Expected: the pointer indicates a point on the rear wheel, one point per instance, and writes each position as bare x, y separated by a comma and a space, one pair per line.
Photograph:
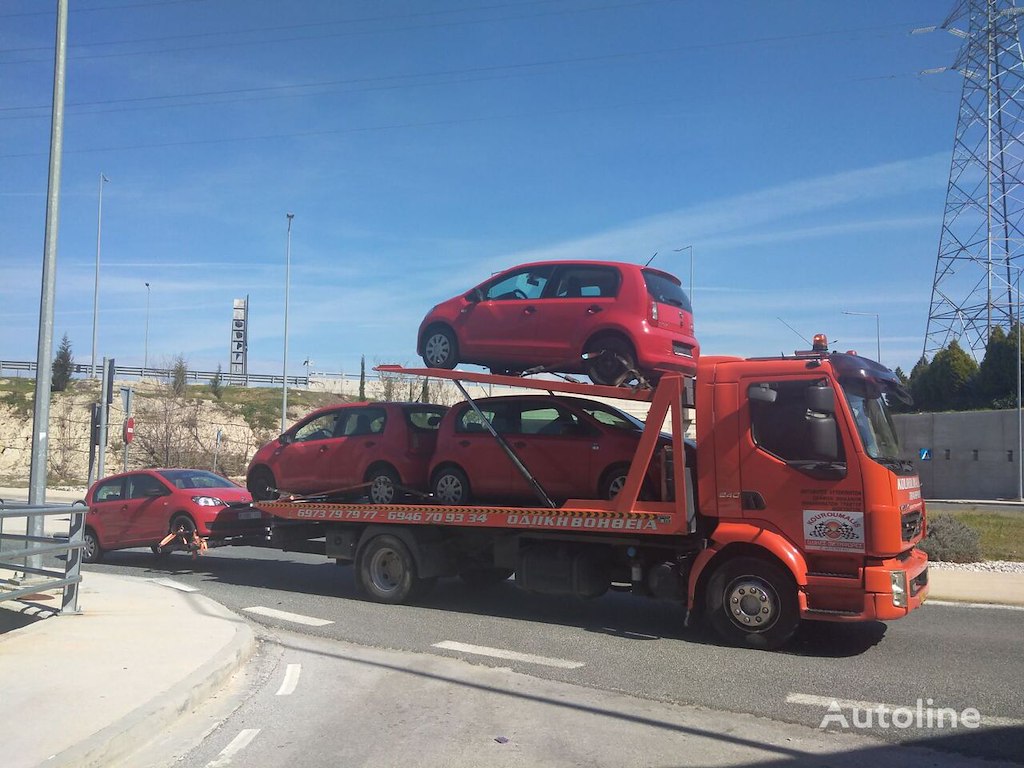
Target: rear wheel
91, 552
262, 485
387, 572
451, 486
383, 485
440, 348
612, 361
613, 482
753, 602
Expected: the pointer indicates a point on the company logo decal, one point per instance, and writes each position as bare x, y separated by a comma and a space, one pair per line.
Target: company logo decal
833, 531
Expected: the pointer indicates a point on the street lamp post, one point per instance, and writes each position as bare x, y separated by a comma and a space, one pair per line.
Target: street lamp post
690, 249
96, 287
145, 348
287, 279
878, 335
1020, 426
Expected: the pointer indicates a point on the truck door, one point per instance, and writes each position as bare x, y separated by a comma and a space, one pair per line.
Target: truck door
797, 461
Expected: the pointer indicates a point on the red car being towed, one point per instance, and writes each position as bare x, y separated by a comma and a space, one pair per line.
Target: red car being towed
574, 447
552, 313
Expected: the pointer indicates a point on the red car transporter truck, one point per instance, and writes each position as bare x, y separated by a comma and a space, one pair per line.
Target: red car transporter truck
797, 506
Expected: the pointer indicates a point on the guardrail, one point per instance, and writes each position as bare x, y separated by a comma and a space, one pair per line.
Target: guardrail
149, 372
32, 547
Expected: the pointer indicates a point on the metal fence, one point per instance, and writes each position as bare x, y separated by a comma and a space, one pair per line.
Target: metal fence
22, 554
138, 372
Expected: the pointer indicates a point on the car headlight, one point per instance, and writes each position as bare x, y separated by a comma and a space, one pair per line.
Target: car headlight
899, 588
208, 501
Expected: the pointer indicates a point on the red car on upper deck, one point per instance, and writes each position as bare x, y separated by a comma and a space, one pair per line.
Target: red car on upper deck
627, 319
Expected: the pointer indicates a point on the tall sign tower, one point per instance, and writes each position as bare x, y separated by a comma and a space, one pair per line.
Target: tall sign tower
981, 248
239, 350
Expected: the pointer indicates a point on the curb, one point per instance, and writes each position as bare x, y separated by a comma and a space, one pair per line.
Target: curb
123, 738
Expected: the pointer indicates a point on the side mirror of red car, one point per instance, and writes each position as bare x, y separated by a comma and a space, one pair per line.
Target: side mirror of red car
475, 296
284, 439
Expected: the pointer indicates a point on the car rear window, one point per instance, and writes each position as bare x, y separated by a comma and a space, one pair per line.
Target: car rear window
666, 290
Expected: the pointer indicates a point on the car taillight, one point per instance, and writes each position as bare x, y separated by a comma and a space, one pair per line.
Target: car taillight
654, 313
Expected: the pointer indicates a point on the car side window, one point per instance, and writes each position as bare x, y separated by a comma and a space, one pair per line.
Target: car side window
548, 421
586, 282
320, 428
142, 486
497, 414
524, 284
109, 490
364, 421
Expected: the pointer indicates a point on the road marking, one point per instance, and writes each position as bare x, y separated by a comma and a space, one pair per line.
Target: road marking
291, 679
823, 701
295, 618
501, 653
957, 604
240, 742
174, 585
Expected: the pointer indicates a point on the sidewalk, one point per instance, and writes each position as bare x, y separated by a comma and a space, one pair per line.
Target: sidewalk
88, 689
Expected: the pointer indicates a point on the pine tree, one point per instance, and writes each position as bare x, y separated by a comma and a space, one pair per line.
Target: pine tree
362, 378
63, 365
953, 375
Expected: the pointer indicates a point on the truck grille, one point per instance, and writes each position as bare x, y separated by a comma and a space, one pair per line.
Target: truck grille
911, 525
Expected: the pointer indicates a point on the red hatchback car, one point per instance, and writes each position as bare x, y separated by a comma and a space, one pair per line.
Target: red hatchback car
574, 447
626, 318
137, 509
343, 446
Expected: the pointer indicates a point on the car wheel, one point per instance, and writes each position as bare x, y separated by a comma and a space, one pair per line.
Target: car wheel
613, 481
384, 483
451, 486
440, 348
387, 571
262, 485
185, 524
612, 360
752, 602
91, 552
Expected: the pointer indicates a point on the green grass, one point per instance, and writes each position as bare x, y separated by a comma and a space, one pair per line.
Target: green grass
1002, 531
261, 406
18, 394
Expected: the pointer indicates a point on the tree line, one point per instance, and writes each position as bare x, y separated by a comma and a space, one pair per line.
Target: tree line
953, 381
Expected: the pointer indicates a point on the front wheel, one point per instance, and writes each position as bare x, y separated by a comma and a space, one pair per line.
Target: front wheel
387, 572
753, 602
262, 485
440, 348
383, 485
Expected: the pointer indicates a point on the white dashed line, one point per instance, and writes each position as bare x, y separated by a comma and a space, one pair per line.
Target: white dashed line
956, 604
824, 701
295, 618
291, 679
501, 653
240, 742
174, 585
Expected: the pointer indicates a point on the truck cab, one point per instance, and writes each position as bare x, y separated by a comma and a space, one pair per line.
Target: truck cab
800, 482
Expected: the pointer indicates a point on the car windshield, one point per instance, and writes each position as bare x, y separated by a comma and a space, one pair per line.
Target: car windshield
196, 478
665, 290
871, 415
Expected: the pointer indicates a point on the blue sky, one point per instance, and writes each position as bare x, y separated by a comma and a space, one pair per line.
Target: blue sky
424, 145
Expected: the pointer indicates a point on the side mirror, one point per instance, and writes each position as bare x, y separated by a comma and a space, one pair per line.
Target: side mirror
762, 393
824, 436
153, 493
475, 296
285, 439
821, 399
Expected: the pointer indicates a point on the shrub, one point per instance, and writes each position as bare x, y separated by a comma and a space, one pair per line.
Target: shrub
951, 540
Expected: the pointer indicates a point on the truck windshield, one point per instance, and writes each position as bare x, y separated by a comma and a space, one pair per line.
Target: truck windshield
874, 424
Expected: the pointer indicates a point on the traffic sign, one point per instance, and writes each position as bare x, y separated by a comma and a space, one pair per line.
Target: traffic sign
129, 429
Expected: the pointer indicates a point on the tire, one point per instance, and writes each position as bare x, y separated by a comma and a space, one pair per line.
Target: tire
92, 552
440, 347
752, 602
262, 485
451, 486
384, 483
485, 577
612, 481
386, 571
606, 369
182, 521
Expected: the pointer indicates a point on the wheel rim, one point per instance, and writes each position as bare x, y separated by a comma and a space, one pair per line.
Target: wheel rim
387, 569
382, 490
616, 485
89, 551
437, 349
449, 489
185, 524
752, 604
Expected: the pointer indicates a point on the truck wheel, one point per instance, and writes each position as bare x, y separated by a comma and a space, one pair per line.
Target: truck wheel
440, 348
92, 552
387, 571
606, 368
752, 602
451, 486
383, 485
262, 485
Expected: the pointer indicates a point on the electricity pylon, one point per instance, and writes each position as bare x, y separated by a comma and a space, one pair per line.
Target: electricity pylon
981, 248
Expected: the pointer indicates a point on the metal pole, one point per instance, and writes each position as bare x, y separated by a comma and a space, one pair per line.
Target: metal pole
96, 286
145, 349
104, 415
44, 349
1020, 433
878, 331
287, 279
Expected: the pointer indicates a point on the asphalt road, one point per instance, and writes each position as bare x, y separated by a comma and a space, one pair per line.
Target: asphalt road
958, 658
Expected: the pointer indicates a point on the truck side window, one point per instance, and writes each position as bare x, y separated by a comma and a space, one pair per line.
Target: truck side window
783, 427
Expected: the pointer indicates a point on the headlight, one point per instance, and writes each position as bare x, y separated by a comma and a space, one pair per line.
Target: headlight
208, 501
899, 588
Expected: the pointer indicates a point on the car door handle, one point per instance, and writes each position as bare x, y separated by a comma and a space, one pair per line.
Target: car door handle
323, 449
529, 310
464, 443
593, 309
370, 443
519, 444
